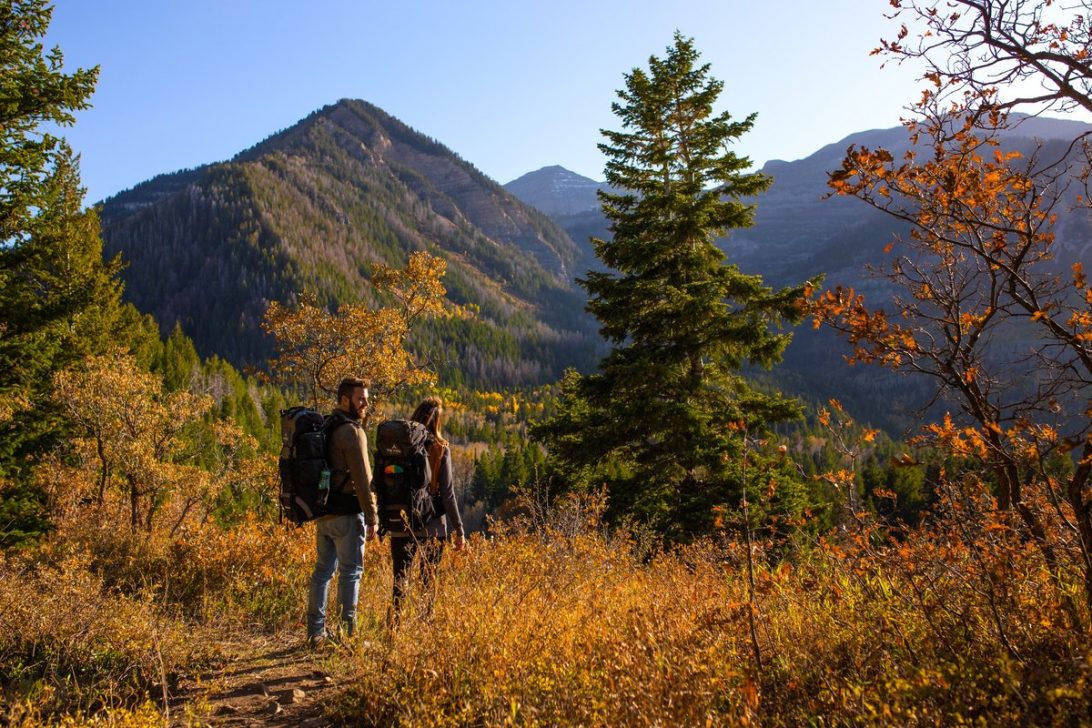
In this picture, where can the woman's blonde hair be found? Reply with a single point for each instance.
(430, 414)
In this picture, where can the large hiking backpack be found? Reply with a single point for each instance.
(402, 475)
(304, 464)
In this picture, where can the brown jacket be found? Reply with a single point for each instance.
(349, 466)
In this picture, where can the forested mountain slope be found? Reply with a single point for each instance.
(313, 207)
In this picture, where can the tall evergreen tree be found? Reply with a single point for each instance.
(659, 422)
(58, 300)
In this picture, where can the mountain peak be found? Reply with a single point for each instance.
(555, 190)
(554, 171)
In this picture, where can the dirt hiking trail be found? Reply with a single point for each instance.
(259, 680)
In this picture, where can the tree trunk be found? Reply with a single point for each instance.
(153, 506)
(104, 473)
(134, 506)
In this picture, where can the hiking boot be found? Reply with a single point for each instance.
(316, 641)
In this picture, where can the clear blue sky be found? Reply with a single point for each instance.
(509, 86)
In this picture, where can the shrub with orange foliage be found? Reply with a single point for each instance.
(134, 430)
(255, 571)
(982, 310)
(951, 625)
(983, 314)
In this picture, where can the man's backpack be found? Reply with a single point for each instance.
(304, 463)
(402, 475)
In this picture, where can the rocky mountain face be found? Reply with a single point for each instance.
(570, 200)
(557, 192)
(313, 206)
(800, 232)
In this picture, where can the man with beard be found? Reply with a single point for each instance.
(351, 515)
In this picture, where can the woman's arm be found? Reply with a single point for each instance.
(447, 493)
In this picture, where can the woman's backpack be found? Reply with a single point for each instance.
(401, 476)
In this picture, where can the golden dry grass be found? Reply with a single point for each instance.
(548, 628)
(564, 624)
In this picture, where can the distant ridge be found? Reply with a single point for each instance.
(800, 232)
(556, 191)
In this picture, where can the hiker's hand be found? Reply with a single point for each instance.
(460, 542)
(370, 533)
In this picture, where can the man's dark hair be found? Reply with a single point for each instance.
(347, 385)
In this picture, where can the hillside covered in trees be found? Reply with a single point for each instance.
(313, 207)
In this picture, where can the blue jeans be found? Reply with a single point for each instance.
(339, 544)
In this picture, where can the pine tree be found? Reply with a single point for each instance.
(59, 301)
(653, 422)
(180, 361)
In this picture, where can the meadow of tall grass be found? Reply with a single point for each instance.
(557, 620)
(557, 625)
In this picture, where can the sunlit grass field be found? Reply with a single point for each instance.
(556, 620)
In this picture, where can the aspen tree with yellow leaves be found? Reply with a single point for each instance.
(135, 430)
(316, 347)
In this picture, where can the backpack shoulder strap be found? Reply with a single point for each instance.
(333, 422)
(336, 419)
